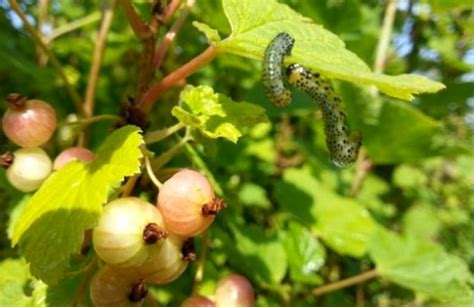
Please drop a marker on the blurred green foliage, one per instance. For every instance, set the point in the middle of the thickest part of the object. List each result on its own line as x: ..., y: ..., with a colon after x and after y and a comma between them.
x: 294, y: 221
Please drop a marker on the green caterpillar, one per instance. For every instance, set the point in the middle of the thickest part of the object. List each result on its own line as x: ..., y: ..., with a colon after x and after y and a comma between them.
x: 272, y: 77
x: 343, y: 146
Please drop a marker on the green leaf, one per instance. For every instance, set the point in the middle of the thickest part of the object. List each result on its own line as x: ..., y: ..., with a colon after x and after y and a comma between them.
x: 255, y: 23
x: 251, y: 194
x: 14, y: 278
x: 429, y: 229
x: 63, y: 294
x: 216, y: 115
x: 342, y: 223
x: 51, y: 226
x: 305, y: 254
x: 393, y: 131
x: 421, y: 266
x: 211, y: 34
x: 446, y: 5
x: 409, y: 177
x: 260, y: 254
x: 298, y: 194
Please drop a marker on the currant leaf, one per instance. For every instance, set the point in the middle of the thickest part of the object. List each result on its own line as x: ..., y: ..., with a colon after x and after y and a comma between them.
x: 255, y: 23
x: 422, y: 266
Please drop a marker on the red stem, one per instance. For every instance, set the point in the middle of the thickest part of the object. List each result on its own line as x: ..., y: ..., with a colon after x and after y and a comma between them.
x: 140, y: 29
x: 170, y: 10
x: 181, y: 73
x: 169, y: 37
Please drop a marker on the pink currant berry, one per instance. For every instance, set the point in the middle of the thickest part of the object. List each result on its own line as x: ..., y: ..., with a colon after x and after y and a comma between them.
x: 234, y: 290
x: 187, y: 203
x: 198, y: 301
x: 168, y: 263
x: 128, y: 232
x: 28, y: 123
x: 73, y: 153
x: 110, y: 288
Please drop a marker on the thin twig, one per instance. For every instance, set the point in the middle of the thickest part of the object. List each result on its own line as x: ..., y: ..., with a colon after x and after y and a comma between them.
x: 42, y: 17
x: 201, y: 263
x: 173, y: 6
x: 140, y: 29
x: 129, y: 185
x: 181, y: 73
x: 169, y: 154
x: 150, y: 173
x: 360, y: 296
x: 147, y: 69
x: 363, y: 167
x: 363, y: 164
x: 71, y: 26
x: 76, y: 98
x: 385, y: 35
x: 169, y: 37
x: 99, y: 49
x: 345, y: 282
x: 42, y: 14
x: 156, y: 136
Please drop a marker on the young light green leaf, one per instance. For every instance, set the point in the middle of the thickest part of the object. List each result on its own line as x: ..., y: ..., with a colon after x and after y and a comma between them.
x: 216, y: 115
x: 305, y: 254
x: 342, y: 223
x: 422, y: 266
x: 255, y: 23
x: 51, y: 226
x: 211, y: 34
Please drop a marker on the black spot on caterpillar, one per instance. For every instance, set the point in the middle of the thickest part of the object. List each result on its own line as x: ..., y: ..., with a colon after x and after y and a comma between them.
x: 272, y: 77
x: 343, y: 146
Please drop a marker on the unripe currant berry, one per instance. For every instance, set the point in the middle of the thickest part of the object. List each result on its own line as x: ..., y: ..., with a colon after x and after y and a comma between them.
x: 187, y: 203
x: 198, y: 301
x: 28, y: 123
x: 234, y: 291
x: 170, y: 261
x: 66, y: 134
x: 29, y: 168
x: 129, y: 230
x: 110, y: 288
x: 73, y: 153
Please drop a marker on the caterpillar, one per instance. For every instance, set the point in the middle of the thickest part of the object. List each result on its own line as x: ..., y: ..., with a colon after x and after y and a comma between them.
x: 272, y: 77
x: 343, y: 146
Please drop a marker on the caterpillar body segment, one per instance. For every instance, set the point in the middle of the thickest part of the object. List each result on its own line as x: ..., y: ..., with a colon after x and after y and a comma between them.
x: 343, y: 146
x: 272, y: 77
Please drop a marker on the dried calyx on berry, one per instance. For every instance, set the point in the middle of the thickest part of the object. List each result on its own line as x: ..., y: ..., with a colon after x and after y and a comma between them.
x: 6, y: 159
